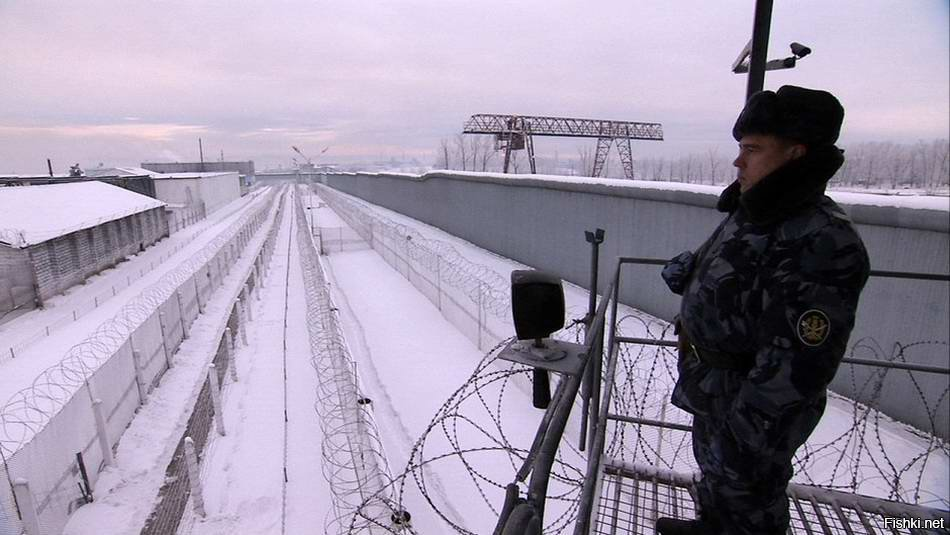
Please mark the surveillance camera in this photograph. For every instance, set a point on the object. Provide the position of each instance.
(799, 50)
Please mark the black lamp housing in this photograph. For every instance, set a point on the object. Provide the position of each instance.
(537, 304)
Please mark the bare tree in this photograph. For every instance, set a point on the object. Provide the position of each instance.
(586, 157)
(658, 168)
(515, 161)
(488, 153)
(713, 155)
(475, 147)
(444, 161)
(461, 150)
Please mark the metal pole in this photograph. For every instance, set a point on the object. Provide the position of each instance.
(24, 498)
(139, 379)
(181, 316)
(760, 46)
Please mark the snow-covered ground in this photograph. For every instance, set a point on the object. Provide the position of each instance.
(272, 431)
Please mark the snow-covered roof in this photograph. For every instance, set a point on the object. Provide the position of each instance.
(166, 176)
(34, 214)
(120, 171)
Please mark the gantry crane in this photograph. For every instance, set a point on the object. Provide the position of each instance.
(307, 158)
(515, 132)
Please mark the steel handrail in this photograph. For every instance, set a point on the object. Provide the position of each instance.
(596, 451)
(558, 413)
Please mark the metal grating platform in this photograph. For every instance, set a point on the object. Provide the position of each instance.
(633, 496)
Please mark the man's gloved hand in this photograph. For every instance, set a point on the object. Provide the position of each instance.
(677, 271)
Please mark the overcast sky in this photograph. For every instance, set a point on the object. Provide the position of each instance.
(123, 82)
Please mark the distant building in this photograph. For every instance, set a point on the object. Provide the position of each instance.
(124, 177)
(131, 178)
(186, 190)
(55, 236)
(244, 169)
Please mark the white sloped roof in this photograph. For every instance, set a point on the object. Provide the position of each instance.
(34, 214)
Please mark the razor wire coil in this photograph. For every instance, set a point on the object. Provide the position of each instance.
(354, 461)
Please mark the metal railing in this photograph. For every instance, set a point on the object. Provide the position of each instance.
(862, 511)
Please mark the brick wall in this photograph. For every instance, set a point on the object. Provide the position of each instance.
(16, 280)
(68, 260)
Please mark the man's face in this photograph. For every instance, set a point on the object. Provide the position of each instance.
(760, 154)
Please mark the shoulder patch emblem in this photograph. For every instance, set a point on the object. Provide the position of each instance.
(813, 327)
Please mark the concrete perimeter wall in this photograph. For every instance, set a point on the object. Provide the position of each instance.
(541, 222)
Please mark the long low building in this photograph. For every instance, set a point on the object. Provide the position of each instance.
(55, 236)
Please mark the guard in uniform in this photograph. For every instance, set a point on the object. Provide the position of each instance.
(768, 305)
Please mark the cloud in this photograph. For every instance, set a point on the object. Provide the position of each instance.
(144, 131)
(393, 75)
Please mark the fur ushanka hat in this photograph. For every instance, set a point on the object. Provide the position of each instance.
(808, 116)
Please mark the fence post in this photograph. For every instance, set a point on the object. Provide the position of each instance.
(229, 352)
(259, 267)
(191, 460)
(24, 499)
(479, 304)
(102, 433)
(243, 326)
(161, 325)
(139, 380)
(216, 399)
(438, 277)
(201, 307)
(181, 316)
(250, 313)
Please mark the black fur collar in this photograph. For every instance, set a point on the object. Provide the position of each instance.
(788, 189)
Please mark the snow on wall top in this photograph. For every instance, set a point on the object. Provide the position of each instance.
(920, 202)
(34, 214)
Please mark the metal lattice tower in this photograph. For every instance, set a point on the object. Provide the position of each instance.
(515, 132)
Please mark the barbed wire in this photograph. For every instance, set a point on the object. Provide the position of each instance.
(866, 457)
(28, 410)
(354, 462)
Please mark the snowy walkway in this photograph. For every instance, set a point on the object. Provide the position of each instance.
(243, 472)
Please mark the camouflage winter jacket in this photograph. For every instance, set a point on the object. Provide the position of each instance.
(776, 286)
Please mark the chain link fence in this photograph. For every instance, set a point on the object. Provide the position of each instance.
(472, 296)
(57, 434)
(184, 217)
